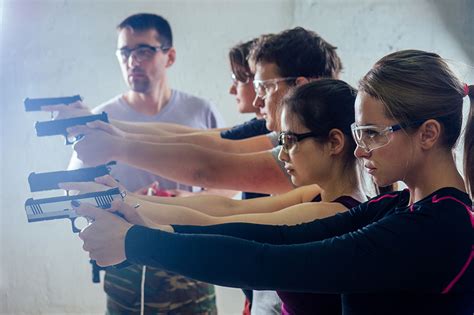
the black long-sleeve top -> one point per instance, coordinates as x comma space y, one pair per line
384, 256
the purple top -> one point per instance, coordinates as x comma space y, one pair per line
315, 303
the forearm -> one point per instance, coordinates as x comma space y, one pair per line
155, 128
235, 262
209, 139
197, 166
161, 214
230, 210
208, 204
293, 215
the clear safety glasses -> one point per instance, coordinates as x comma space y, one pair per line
371, 137
263, 88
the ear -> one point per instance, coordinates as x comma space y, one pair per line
171, 57
336, 141
429, 132
301, 80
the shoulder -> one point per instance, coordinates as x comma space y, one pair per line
389, 198
309, 192
455, 200
183, 98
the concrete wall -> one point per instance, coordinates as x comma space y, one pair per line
52, 48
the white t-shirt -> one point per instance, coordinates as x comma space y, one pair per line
182, 108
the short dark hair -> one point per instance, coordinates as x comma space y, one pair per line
238, 60
146, 21
239, 56
299, 52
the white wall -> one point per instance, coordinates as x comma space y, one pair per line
52, 48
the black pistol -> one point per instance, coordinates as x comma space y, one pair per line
50, 180
58, 127
34, 104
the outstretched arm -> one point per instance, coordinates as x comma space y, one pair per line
187, 163
336, 256
160, 128
210, 139
222, 207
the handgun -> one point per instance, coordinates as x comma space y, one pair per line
34, 104
58, 127
50, 180
60, 207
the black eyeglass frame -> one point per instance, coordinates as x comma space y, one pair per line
128, 52
298, 136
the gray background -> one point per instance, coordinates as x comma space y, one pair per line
54, 48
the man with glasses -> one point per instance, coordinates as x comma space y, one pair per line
145, 52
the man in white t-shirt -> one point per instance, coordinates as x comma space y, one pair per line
145, 52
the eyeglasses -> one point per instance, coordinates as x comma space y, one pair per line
243, 80
372, 137
289, 140
140, 53
263, 88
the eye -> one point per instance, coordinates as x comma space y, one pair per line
371, 133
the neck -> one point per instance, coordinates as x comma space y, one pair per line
149, 103
438, 170
343, 182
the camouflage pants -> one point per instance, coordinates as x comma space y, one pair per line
164, 293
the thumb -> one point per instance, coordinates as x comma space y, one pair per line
107, 180
77, 130
87, 210
98, 124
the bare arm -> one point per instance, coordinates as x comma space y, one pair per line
300, 213
296, 214
210, 140
159, 128
220, 206
187, 163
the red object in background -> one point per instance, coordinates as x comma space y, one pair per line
247, 307
154, 190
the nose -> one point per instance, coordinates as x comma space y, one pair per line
360, 152
233, 89
258, 102
283, 156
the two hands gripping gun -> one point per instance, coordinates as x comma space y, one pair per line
59, 126
60, 207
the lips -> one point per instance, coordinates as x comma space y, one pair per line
370, 169
289, 170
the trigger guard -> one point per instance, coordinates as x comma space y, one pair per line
75, 139
74, 228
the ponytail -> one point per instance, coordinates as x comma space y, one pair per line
469, 142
